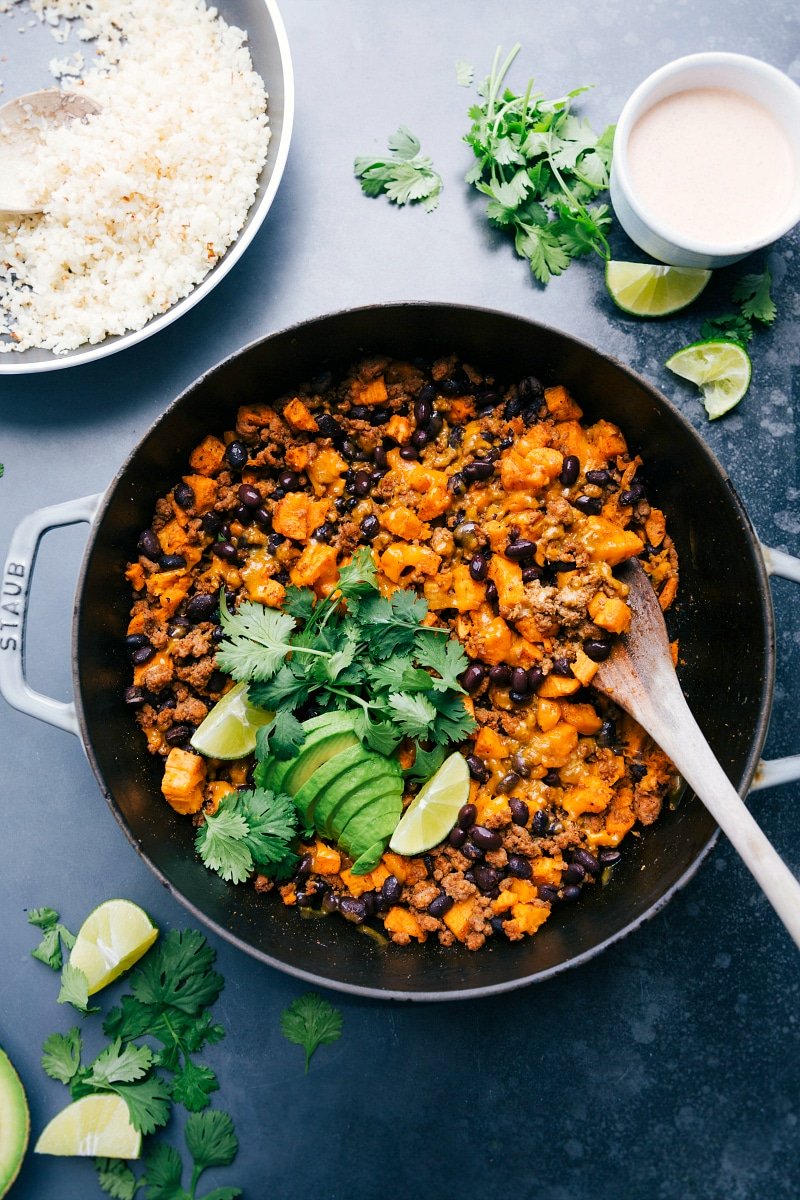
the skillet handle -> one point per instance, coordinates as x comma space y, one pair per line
779, 770
17, 577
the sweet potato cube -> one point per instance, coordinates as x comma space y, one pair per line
548, 714
593, 796
297, 414
548, 870
552, 749
468, 593
326, 469
136, 578
606, 541
373, 392
433, 503
458, 918
526, 918
403, 522
493, 811
208, 458
184, 777
611, 613
291, 516
555, 686
205, 492
524, 890
489, 744
507, 578
584, 668
401, 921
399, 429
214, 792
504, 902
298, 458
316, 565
532, 471
396, 865
489, 638
325, 860
583, 716
402, 561
560, 404
358, 884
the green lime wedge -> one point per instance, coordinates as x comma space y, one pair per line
432, 813
229, 730
95, 1125
111, 939
721, 370
647, 290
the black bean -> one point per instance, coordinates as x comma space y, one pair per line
236, 454
370, 902
142, 655
184, 496
570, 470
519, 811
634, 493
520, 866
552, 778
211, 523
598, 478
149, 545
179, 627
249, 495
378, 416
535, 677
135, 696
607, 734
500, 675
362, 483
323, 532
275, 540
530, 415
217, 681
487, 878
530, 388
587, 860
278, 493
134, 640
519, 680
561, 666
423, 409
570, 893
457, 837
472, 678
540, 823
409, 454
519, 765
485, 839
427, 392
468, 874
429, 863
327, 426
353, 909
224, 550
496, 924
456, 484
455, 385
507, 783
519, 698
478, 567
178, 734
587, 505
491, 592
243, 514
370, 527
597, 649
442, 904
548, 892
304, 866
609, 858
359, 412
477, 471
637, 771
520, 549
217, 633
531, 574
172, 562
467, 813
392, 889
478, 770
376, 476
330, 902
379, 456
466, 534
574, 874
289, 481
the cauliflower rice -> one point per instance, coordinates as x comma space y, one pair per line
146, 196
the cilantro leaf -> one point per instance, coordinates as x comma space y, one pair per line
299, 603
42, 918
311, 1021
248, 827
193, 1085
75, 990
256, 640
390, 624
413, 715
752, 292
61, 1055
271, 821
177, 973
148, 1103
220, 842
116, 1178
53, 934
282, 738
381, 736
359, 577
163, 1174
444, 655
289, 688
426, 764
465, 73
404, 175
453, 723
399, 673
120, 1065
729, 327
211, 1139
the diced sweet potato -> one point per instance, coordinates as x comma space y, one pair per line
468, 593
373, 392
560, 404
584, 668
298, 458
493, 811
507, 578
214, 792
593, 796
290, 517
137, 579
504, 902
184, 777
488, 637
403, 562
396, 865
438, 591
555, 686
315, 566
526, 919
548, 714
489, 744
403, 522
524, 890
399, 429
458, 918
208, 458
433, 503
297, 415
655, 527
532, 471
606, 541
325, 860
403, 923
583, 716
325, 470
358, 884
548, 870
552, 749
611, 613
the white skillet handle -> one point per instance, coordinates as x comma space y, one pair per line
17, 576
779, 770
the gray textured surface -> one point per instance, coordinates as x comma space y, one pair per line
668, 1067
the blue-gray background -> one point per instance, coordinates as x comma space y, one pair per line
668, 1068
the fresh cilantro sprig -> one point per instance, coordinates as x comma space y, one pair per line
539, 165
311, 1021
49, 951
404, 175
211, 1142
756, 309
249, 829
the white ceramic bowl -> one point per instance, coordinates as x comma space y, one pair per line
739, 73
269, 51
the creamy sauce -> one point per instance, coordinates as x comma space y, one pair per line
712, 164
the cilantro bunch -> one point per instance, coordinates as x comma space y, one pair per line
404, 175
249, 829
355, 651
540, 165
753, 296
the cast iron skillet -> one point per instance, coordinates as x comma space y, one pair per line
723, 620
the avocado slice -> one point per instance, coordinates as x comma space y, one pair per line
369, 860
326, 778
14, 1124
371, 824
361, 788
289, 775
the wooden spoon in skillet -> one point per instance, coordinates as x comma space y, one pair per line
638, 675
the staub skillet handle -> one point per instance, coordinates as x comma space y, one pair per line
779, 770
14, 593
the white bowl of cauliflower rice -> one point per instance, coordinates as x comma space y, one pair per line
150, 202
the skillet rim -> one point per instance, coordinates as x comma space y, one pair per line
758, 736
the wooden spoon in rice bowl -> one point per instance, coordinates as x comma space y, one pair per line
22, 122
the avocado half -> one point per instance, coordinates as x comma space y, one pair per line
15, 1124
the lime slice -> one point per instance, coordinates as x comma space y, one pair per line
432, 813
646, 290
111, 939
94, 1125
720, 369
229, 730
14, 1124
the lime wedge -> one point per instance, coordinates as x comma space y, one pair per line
646, 290
229, 730
94, 1125
432, 813
111, 939
720, 369
14, 1124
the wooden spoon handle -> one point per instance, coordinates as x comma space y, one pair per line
684, 743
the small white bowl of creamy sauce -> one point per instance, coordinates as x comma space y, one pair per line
706, 165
